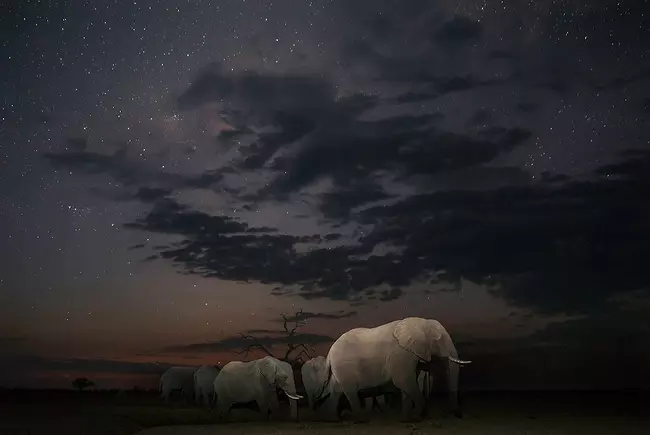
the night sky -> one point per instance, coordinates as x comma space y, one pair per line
175, 173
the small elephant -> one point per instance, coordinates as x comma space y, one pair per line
365, 358
242, 382
177, 378
204, 378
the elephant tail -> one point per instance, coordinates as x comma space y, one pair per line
328, 370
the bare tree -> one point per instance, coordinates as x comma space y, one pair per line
296, 352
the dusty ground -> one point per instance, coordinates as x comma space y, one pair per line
498, 414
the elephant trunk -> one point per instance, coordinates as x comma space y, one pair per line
290, 390
453, 371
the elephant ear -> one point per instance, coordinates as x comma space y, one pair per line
416, 335
267, 369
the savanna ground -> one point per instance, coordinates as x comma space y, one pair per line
96, 413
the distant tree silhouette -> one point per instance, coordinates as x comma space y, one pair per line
296, 352
82, 383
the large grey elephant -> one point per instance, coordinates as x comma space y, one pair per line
365, 358
177, 378
315, 376
204, 378
242, 382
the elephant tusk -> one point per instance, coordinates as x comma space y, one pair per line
291, 396
458, 361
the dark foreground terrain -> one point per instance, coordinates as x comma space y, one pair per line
73, 413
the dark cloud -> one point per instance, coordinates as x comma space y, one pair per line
77, 144
90, 162
391, 295
490, 224
168, 216
239, 343
624, 81
405, 146
339, 202
306, 315
555, 248
436, 46
552, 246
261, 95
130, 172
151, 194
501, 54
329, 139
480, 117
459, 29
303, 131
527, 107
24, 364
429, 87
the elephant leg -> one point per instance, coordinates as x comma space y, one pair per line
223, 408
263, 405
331, 406
407, 405
355, 405
368, 403
381, 403
168, 398
274, 404
310, 400
410, 393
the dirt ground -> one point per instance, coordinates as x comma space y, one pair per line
485, 414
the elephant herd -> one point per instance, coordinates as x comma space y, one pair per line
363, 364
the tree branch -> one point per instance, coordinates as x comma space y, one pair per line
255, 345
305, 350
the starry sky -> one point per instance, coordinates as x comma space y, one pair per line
176, 173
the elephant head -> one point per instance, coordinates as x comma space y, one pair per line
428, 339
280, 374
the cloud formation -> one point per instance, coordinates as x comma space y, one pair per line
551, 246
428, 201
25, 364
270, 339
306, 315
